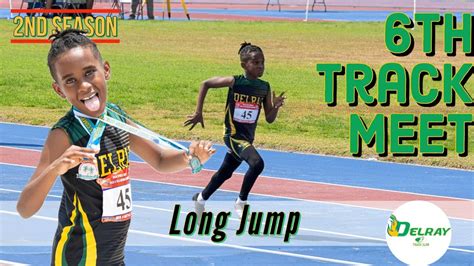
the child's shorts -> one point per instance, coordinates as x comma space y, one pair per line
236, 146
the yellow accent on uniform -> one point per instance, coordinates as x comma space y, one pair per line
91, 249
65, 235
82, 237
244, 143
232, 147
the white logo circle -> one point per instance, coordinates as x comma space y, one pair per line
418, 233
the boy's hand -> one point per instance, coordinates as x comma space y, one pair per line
202, 149
278, 101
72, 157
194, 119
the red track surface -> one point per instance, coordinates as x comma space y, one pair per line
297, 189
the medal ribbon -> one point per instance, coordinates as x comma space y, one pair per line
137, 130
145, 133
95, 131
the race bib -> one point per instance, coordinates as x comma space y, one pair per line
246, 112
116, 197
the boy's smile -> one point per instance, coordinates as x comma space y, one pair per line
81, 79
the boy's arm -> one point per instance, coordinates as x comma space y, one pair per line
167, 159
215, 82
57, 157
272, 105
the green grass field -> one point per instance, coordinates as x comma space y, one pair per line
158, 66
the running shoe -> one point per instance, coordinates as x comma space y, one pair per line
239, 208
198, 207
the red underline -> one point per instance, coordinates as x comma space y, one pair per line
67, 11
19, 41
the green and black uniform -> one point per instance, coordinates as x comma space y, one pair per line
83, 236
244, 104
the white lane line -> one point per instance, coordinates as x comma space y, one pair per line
260, 250
462, 250
282, 253
266, 195
35, 216
233, 219
11, 263
19, 165
270, 196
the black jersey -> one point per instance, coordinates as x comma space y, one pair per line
94, 215
244, 102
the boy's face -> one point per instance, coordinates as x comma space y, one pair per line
255, 66
80, 78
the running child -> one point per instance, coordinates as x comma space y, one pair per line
92, 159
247, 93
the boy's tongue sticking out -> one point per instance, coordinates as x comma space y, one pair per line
92, 104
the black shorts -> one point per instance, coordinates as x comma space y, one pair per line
236, 146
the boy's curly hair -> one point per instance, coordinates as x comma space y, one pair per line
246, 50
62, 41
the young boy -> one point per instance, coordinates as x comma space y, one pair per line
247, 93
92, 159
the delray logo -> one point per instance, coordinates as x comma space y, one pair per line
418, 232
400, 229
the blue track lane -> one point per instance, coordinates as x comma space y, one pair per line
156, 253
334, 170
